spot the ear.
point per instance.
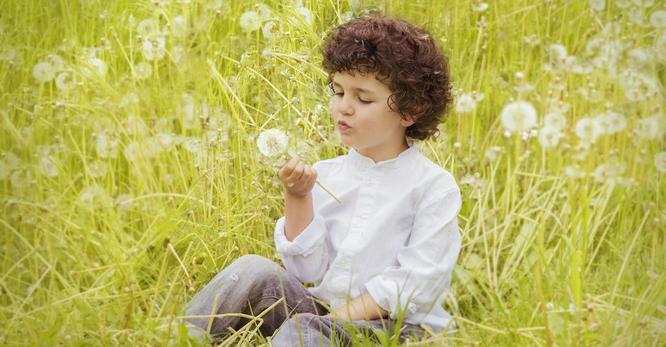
(407, 121)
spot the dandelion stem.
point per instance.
(329, 192)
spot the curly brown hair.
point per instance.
(403, 57)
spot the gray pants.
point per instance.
(252, 284)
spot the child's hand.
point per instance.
(297, 177)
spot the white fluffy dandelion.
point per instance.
(555, 120)
(612, 122)
(250, 21)
(574, 171)
(43, 72)
(466, 102)
(479, 6)
(549, 137)
(598, 5)
(610, 173)
(660, 161)
(272, 142)
(268, 30)
(306, 15)
(65, 81)
(153, 47)
(8, 164)
(652, 127)
(588, 129)
(518, 116)
(148, 27)
(142, 70)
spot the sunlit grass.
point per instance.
(124, 191)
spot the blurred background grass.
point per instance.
(130, 174)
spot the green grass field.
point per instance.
(130, 174)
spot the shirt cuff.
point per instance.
(305, 243)
(389, 299)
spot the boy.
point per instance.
(389, 248)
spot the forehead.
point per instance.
(357, 80)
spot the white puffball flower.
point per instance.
(549, 137)
(307, 16)
(610, 173)
(269, 29)
(612, 122)
(142, 70)
(518, 116)
(272, 142)
(598, 5)
(250, 21)
(98, 65)
(588, 129)
(652, 127)
(153, 47)
(263, 11)
(179, 26)
(660, 161)
(43, 72)
(478, 6)
(65, 81)
(148, 27)
(555, 120)
(466, 103)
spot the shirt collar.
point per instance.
(361, 162)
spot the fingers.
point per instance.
(296, 173)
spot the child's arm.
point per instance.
(363, 307)
(298, 180)
(300, 236)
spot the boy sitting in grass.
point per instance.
(383, 257)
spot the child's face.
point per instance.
(360, 101)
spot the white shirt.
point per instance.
(395, 235)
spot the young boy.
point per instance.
(388, 249)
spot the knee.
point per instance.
(257, 267)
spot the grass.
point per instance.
(101, 249)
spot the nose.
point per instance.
(344, 105)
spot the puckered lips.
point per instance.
(342, 126)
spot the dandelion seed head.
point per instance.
(518, 116)
(268, 30)
(598, 5)
(609, 173)
(479, 6)
(465, 103)
(555, 120)
(574, 171)
(549, 137)
(65, 81)
(306, 15)
(142, 70)
(588, 129)
(43, 72)
(250, 21)
(652, 127)
(612, 122)
(148, 27)
(272, 142)
(153, 47)
(8, 163)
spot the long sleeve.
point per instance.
(422, 277)
(306, 256)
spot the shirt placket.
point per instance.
(355, 239)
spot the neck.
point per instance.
(383, 154)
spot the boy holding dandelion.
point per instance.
(385, 251)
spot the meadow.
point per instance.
(130, 173)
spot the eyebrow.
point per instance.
(336, 84)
